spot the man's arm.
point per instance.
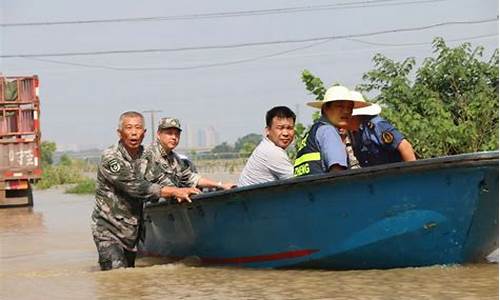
(406, 151)
(209, 183)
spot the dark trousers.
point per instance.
(113, 256)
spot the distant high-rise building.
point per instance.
(202, 139)
(190, 136)
(211, 136)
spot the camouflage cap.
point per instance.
(169, 123)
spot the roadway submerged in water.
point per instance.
(47, 253)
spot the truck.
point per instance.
(20, 153)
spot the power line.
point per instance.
(203, 66)
(418, 44)
(249, 44)
(217, 15)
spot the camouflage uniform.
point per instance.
(117, 214)
(167, 169)
(353, 162)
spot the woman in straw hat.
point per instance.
(322, 149)
(375, 140)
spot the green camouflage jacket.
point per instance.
(167, 169)
(120, 193)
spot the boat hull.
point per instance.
(438, 211)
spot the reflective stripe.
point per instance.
(307, 157)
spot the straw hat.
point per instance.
(338, 93)
(372, 109)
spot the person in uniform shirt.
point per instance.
(120, 194)
(162, 165)
(322, 149)
(269, 161)
(375, 140)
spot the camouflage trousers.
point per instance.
(112, 255)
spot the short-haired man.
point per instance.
(269, 161)
(163, 166)
(120, 194)
(375, 140)
(322, 149)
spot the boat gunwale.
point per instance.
(466, 160)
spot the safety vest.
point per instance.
(308, 159)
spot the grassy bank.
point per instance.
(75, 173)
(68, 172)
(86, 186)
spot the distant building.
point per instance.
(211, 136)
(193, 138)
(201, 139)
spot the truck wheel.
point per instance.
(29, 194)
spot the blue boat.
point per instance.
(434, 211)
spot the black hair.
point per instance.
(280, 112)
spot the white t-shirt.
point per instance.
(268, 162)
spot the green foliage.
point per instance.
(65, 160)
(316, 87)
(223, 148)
(247, 142)
(313, 84)
(451, 105)
(247, 149)
(47, 151)
(86, 186)
(68, 171)
(56, 175)
(299, 133)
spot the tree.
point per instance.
(247, 149)
(316, 87)
(65, 160)
(451, 105)
(47, 152)
(222, 148)
(251, 139)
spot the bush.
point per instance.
(86, 186)
(56, 175)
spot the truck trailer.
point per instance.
(20, 155)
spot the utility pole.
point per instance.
(297, 112)
(152, 113)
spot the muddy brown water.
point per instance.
(47, 252)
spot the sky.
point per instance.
(248, 56)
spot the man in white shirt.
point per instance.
(269, 161)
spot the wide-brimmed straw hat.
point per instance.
(338, 93)
(372, 109)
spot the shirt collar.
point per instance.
(161, 150)
(324, 120)
(125, 153)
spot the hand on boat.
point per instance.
(227, 186)
(182, 194)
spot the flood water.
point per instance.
(47, 252)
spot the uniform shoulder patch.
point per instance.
(387, 137)
(114, 166)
